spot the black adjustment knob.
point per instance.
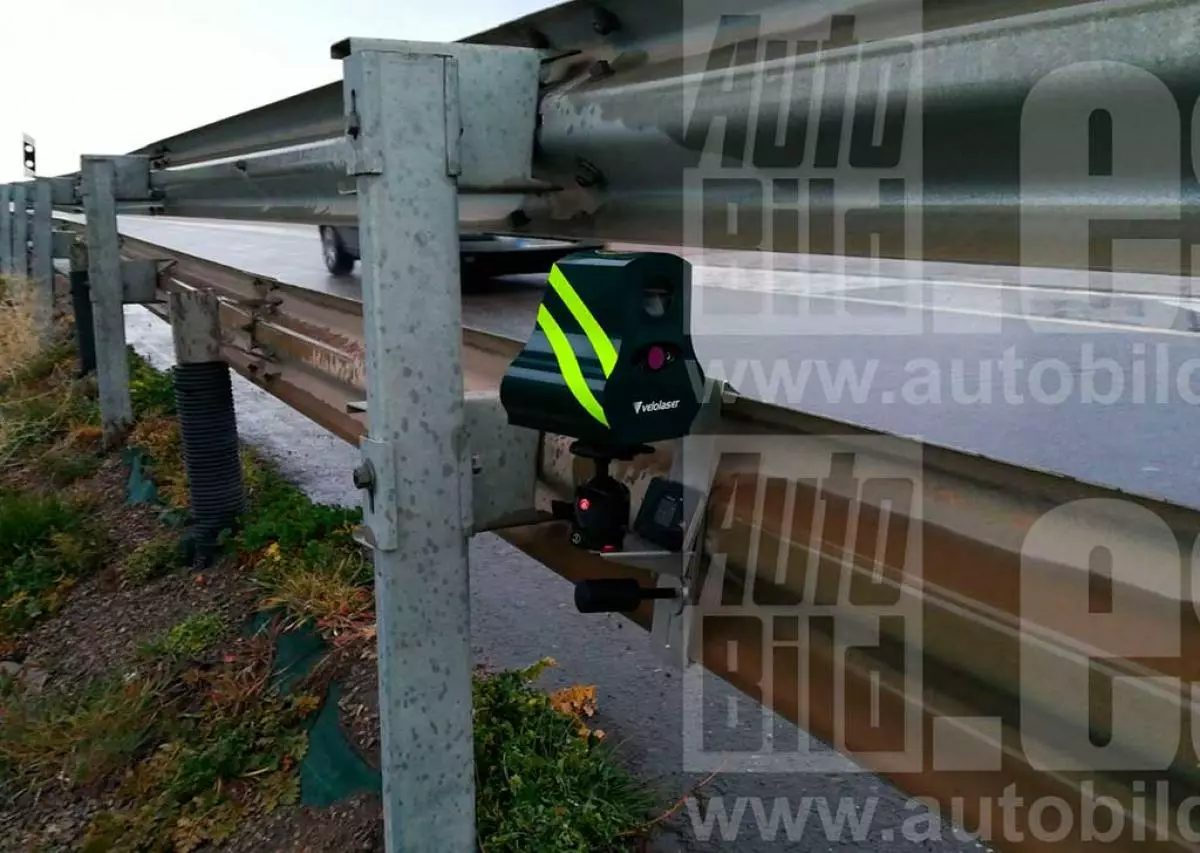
(616, 595)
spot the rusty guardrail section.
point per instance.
(1022, 604)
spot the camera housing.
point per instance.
(610, 363)
(610, 360)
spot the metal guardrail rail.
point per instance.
(625, 134)
(1016, 666)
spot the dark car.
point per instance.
(483, 256)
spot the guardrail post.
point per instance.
(402, 111)
(107, 296)
(207, 420)
(20, 228)
(42, 267)
(6, 235)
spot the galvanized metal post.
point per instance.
(107, 296)
(402, 112)
(20, 229)
(42, 268)
(6, 236)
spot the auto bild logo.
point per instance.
(658, 406)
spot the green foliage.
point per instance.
(280, 512)
(152, 392)
(35, 420)
(151, 559)
(64, 466)
(187, 639)
(540, 785)
(45, 545)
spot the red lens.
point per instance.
(656, 358)
(585, 504)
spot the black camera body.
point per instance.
(611, 364)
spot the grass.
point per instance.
(45, 547)
(151, 560)
(195, 738)
(77, 739)
(546, 782)
(186, 751)
(188, 639)
(19, 340)
(48, 438)
(42, 402)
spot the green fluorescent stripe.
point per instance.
(569, 365)
(595, 335)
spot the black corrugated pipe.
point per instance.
(207, 424)
(81, 304)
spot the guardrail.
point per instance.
(959, 657)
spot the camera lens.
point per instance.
(656, 298)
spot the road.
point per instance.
(1040, 368)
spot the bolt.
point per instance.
(605, 22)
(599, 69)
(587, 174)
(364, 476)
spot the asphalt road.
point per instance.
(521, 612)
(1041, 368)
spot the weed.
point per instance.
(232, 754)
(64, 466)
(151, 560)
(30, 419)
(152, 392)
(282, 513)
(541, 785)
(325, 583)
(45, 546)
(19, 340)
(75, 739)
(304, 555)
(187, 639)
(161, 439)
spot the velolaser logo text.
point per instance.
(657, 406)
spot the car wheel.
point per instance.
(337, 260)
